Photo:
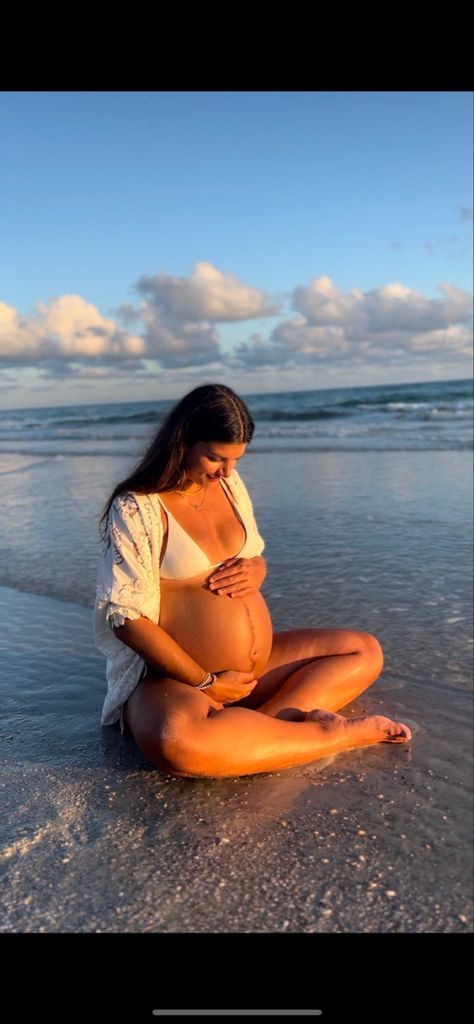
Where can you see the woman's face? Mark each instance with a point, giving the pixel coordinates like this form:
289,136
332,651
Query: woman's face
207,461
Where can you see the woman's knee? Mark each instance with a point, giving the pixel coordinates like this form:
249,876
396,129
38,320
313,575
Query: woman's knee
187,746
163,729
373,651
167,743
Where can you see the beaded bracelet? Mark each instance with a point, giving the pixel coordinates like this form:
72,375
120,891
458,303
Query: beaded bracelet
209,680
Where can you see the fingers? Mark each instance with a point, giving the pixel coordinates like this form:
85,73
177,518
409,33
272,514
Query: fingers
222,571
234,592
226,581
236,586
232,569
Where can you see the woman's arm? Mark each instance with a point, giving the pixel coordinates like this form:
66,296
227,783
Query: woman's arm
158,648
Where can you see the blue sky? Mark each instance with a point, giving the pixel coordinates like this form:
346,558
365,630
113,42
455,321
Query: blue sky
152,241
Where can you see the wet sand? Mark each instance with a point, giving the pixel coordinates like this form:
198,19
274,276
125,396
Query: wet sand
94,839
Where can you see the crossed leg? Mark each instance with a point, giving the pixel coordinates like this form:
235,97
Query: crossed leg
315,668
184,732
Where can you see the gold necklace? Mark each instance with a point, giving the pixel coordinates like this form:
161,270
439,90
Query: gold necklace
193,505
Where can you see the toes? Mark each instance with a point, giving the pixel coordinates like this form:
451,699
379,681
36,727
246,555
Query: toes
398,733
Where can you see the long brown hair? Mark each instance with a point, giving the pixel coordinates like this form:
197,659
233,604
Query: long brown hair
212,412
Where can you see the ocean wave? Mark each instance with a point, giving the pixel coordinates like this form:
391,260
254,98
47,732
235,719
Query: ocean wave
152,416
433,416
345,445
71,428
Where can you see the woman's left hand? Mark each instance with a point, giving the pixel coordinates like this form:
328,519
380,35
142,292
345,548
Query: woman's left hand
238,576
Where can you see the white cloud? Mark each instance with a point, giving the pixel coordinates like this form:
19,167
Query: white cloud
177,317
181,344
66,328
178,320
180,313
208,294
321,302
297,336
355,327
456,339
389,307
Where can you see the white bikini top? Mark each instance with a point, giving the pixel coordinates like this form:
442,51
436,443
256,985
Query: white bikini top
184,559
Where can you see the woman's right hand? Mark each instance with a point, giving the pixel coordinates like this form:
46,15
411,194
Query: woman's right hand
231,686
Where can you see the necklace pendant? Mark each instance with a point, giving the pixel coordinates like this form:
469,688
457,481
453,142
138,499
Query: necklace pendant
197,508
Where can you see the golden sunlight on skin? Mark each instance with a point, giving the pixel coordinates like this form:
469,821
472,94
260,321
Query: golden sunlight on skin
219,632
303,677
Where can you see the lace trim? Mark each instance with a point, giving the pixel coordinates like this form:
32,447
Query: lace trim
115,615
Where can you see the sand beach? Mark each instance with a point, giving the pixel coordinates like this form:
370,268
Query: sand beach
95,839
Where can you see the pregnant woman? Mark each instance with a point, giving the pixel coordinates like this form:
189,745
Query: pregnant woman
194,669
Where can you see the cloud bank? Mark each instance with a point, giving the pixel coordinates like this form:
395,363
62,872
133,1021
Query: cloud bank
380,325
67,329
176,326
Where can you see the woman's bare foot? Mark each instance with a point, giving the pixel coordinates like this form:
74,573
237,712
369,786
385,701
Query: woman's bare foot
358,732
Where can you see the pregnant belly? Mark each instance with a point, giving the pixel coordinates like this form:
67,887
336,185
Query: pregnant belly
219,632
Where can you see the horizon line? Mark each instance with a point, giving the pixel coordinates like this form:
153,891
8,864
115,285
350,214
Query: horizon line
244,394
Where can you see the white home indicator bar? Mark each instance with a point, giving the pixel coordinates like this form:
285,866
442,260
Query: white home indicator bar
237,1013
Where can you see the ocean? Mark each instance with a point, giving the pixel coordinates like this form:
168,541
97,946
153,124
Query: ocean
364,499
400,417
338,470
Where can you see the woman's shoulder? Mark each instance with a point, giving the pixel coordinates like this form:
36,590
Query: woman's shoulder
125,499
136,498
235,477
238,483
240,491
139,508
128,504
